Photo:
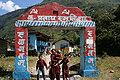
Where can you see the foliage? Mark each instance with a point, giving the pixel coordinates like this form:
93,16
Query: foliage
106,14
7,27
105,65
108,34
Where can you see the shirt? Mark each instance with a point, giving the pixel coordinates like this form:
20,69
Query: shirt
41,63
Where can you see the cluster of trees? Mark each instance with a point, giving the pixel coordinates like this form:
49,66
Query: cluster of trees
106,14
108,31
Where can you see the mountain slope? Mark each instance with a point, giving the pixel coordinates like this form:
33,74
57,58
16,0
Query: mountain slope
7,21
102,12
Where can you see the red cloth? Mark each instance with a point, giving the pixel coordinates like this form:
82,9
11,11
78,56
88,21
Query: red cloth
65,61
41,63
55,59
55,68
65,68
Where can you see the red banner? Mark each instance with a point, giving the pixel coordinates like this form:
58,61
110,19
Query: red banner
90,41
21,41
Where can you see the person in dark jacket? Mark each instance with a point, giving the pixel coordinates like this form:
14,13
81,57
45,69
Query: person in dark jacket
40,67
65,68
52,66
55,68
58,57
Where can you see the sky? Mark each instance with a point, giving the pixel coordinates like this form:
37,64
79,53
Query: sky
11,5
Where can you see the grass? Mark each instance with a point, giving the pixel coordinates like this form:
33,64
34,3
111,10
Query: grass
105,65
6,68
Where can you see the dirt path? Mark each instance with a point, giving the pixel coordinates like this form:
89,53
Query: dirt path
47,60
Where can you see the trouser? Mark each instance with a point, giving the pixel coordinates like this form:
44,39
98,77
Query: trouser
43,74
57,75
50,74
54,74
65,73
57,71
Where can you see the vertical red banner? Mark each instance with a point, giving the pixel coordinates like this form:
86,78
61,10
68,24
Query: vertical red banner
21,46
90,48
21,39
90,41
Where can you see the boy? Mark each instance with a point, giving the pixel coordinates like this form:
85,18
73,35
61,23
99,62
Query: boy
40,67
65,68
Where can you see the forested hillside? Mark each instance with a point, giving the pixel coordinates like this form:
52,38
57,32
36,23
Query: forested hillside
7,21
106,14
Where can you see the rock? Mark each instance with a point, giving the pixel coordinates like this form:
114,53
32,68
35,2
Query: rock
75,77
8,77
71,78
9,65
118,78
111,71
98,58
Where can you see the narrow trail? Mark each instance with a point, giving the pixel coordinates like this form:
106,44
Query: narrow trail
33,71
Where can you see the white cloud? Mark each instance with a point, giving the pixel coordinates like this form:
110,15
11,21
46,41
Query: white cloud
9,6
0,4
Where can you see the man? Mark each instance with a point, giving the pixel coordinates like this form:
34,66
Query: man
40,67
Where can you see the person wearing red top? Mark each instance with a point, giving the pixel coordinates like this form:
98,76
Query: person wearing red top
55,68
65,68
40,67
52,67
58,57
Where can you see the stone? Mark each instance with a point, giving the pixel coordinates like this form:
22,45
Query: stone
77,77
98,58
71,78
111,71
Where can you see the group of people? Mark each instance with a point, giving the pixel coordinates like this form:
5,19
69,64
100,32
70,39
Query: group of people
54,66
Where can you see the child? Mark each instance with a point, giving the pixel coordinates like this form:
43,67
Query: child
40,67
65,68
55,68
